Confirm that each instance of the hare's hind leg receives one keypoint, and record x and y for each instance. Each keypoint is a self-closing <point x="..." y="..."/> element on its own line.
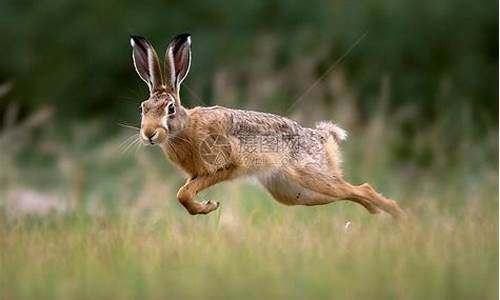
<point x="285" y="190"/>
<point x="337" y="188"/>
<point x="366" y="192"/>
<point x="193" y="186"/>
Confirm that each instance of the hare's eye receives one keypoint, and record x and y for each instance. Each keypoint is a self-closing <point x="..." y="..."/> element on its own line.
<point x="170" y="109"/>
<point x="140" y="109"/>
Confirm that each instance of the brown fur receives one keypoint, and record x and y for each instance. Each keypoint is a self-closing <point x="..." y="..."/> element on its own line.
<point x="297" y="165"/>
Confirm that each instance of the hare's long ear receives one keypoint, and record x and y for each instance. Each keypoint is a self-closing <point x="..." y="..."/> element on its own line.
<point x="146" y="63"/>
<point x="178" y="60"/>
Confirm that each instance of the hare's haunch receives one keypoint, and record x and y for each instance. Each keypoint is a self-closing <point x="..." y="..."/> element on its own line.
<point x="297" y="165"/>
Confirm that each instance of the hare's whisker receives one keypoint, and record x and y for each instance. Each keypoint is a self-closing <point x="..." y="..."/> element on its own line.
<point x="137" y="147"/>
<point x="187" y="141"/>
<point x="128" y="126"/>
<point x="134" y="141"/>
<point x="126" y="141"/>
<point x="169" y="145"/>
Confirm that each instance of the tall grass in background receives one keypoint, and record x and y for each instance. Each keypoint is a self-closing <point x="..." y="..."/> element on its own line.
<point x="89" y="215"/>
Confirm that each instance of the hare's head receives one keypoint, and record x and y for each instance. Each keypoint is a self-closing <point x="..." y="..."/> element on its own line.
<point x="162" y="113"/>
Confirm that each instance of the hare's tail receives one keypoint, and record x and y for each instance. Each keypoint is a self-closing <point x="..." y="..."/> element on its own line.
<point x="338" y="133"/>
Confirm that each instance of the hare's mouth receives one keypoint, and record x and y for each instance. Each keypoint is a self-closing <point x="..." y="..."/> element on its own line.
<point x="152" y="138"/>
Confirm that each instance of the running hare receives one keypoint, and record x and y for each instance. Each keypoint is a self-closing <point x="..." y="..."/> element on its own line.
<point x="297" y="165"/>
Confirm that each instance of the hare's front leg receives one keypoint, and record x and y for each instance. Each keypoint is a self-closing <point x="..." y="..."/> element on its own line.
<point x="193" y="186"/>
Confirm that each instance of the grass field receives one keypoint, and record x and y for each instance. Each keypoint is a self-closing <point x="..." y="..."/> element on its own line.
<point x="116" y="231"/>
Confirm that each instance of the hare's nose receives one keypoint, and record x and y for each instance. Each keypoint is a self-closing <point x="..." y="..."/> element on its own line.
<point x="151" y="135"/>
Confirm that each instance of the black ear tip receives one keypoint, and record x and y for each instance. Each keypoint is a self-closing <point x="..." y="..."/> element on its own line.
<point x="136" y="39"/>
<point x="183" y="37"/>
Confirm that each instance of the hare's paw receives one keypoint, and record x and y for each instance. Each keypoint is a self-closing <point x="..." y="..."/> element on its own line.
<point x="209" y="206"/>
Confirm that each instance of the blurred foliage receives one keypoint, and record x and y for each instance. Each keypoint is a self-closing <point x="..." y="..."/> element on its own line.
<point x="74" y="55"/>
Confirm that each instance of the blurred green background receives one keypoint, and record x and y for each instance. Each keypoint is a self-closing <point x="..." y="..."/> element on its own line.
<point x="74" y="55"/>
<point x="87" y="212"/>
